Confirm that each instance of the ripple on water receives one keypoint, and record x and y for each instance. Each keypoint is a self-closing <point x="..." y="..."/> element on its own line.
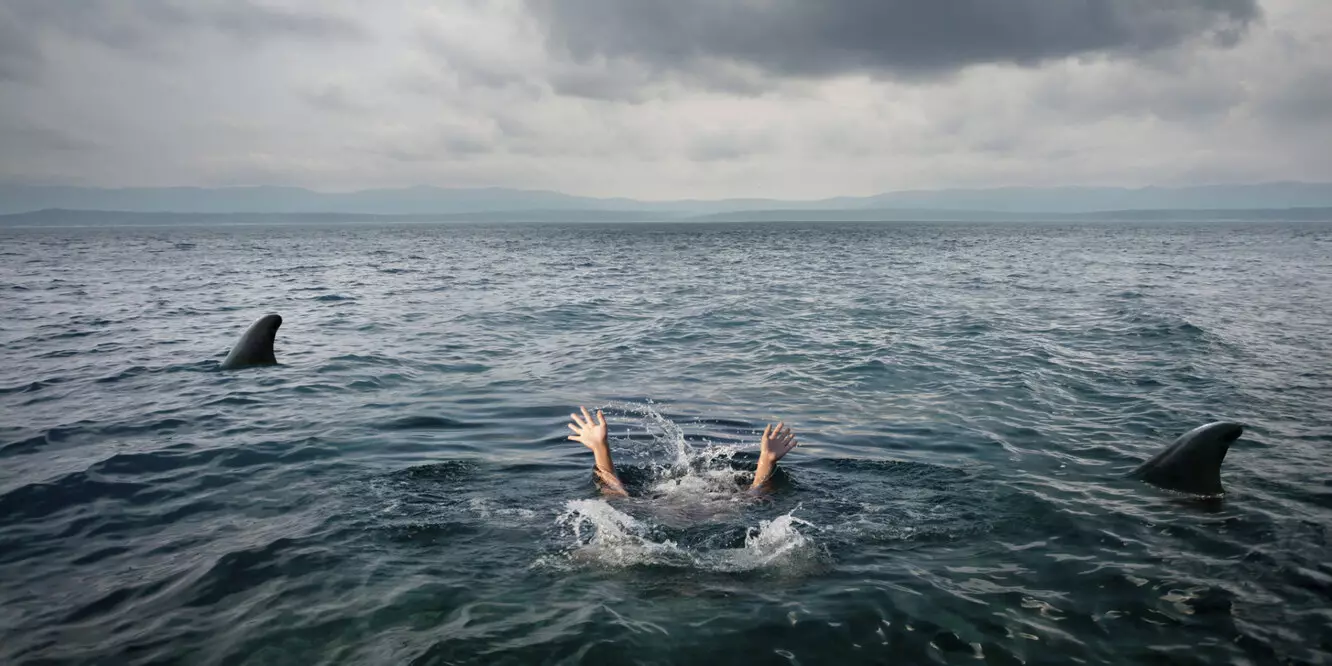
<point x="401" y="489"/>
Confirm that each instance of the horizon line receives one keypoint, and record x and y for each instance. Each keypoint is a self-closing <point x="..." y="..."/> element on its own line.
<point x="505" y="188"/>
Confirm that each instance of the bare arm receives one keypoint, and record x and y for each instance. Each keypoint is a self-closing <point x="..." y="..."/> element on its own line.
<point x="592" y="434"/>
<point x="777" y="442"/>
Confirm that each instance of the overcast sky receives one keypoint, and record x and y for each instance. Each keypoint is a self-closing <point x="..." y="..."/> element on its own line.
<point x="665" y="98"/>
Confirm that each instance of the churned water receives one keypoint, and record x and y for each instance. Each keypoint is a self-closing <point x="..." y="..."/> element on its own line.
<point x="400" y="490"/>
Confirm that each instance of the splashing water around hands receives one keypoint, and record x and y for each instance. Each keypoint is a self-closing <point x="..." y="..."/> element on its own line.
<point x="591" y="432"/>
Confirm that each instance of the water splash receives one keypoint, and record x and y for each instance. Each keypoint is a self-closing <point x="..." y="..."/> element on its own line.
<point x="604" y="536"/>
<point x="665" y="436"/>
<point x="696" y="490"/>
<point x="776" y="545"/>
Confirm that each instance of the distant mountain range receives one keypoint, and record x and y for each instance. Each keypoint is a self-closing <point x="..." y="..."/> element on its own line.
<point x="435" y="201"/>
<point x="59" y="217"/>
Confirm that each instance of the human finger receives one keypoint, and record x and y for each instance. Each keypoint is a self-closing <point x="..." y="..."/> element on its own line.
<point x="579" y="420"/>
<point x="767" y="431"/>
<point x="601" y="418"/>
<point x="574" y="428"/>
<point x="587" y="416"/>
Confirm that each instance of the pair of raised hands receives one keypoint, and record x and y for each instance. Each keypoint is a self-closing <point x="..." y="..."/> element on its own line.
<point x="777" y="440"/>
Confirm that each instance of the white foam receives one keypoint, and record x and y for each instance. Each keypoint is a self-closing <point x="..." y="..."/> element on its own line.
<point x="485" y="508"/>
<point x="696" y="485"/>
<point x="604" y="535"/>
<point x="607" y="537"/>
<point x="666" y="436"/>
<point x="775" y="545"/>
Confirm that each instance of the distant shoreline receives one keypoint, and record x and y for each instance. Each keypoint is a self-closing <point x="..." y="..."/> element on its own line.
<point x="60" y="218"/>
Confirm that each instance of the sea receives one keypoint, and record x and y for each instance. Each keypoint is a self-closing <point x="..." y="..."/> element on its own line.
<point x="400" y="489"/>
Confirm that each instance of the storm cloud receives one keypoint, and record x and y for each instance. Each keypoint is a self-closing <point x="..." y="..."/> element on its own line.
<point x="669" y="99"/>
<point x="149" y="27"/>
<point x="911" y="38"/>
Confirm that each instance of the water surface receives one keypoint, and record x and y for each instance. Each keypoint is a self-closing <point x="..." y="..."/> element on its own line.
<point x="400" y="489"/>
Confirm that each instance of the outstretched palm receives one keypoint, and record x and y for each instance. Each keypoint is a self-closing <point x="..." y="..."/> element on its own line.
<point x="591" y="433"/>
<point x="777" y="442"/>
<point x="588" y="431"/>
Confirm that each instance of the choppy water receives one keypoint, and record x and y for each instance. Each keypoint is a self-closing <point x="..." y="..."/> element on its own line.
<point x="400" y="490"/>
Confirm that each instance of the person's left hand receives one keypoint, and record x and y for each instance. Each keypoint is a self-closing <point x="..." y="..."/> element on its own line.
<point x="777" y="442"/>
<point x="588" y="431"/>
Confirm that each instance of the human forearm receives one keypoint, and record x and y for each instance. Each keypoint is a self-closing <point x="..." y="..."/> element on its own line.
<point x="766" y="466"/>
<point x="777" y="442"/>
<point x="605" y="471"/>
<point x="602" y="455"/>
<point x="592" y="433"/>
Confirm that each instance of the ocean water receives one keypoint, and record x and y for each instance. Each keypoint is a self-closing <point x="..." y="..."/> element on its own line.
<point x="400" y="490"/>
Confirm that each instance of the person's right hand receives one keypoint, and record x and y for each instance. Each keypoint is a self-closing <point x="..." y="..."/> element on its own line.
<point x="588" y="431"/>
<point x="777" y="442"/>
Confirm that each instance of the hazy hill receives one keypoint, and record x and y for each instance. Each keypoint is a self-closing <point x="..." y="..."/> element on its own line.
<point x="63" y="217"/>
<point x="445" y="201"/>
<point x="955" y="215"/>
<point x="84" y="218"/>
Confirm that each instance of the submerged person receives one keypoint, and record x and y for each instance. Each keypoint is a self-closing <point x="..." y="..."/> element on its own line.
<point x="777" y="442"/>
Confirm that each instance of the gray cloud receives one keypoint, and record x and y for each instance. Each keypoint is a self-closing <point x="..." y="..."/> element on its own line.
<point x="19" y="55"/>
<point x="1173" y="92"/>
<point x="905" y="38"/>
<point x="675" y="99"/>
<point x="439" y="140"/>
<point x="34" y="138"/>
<point x="149" y="27"/>
<point x="333" y="99"/>
<point x="729" y="145"/>
<point x="1306" y="98"/>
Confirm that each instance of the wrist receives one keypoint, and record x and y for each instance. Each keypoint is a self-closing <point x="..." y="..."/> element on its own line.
<point x="761" y="476"/>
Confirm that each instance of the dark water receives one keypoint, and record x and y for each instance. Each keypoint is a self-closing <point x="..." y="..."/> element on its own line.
<point x="400" y="490"/>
